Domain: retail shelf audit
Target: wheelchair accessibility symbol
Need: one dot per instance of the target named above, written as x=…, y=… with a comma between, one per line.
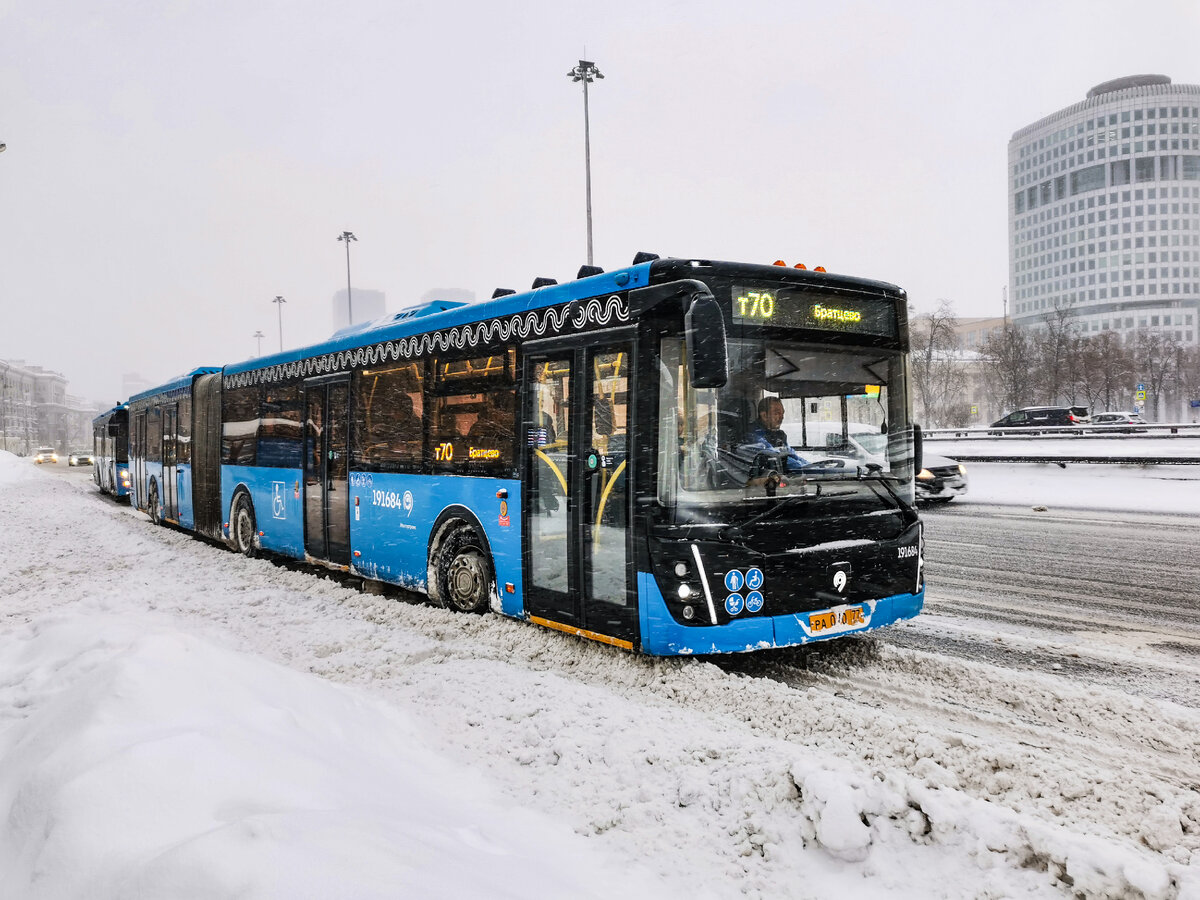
x=278, y=506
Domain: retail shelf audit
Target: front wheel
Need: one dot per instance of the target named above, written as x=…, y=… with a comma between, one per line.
x=242, y=525
x=464, y=572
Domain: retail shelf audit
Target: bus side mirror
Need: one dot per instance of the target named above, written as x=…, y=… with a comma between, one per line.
x=918, y=448
x=704, y=336
x=113, y=429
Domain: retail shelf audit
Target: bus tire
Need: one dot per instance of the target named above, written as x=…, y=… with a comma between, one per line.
x=242, y=525
x=152, y=503
x=464, y=572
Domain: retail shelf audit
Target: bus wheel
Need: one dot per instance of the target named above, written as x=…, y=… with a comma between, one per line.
x=464, y=572
x=243, y=525
x=152, y=509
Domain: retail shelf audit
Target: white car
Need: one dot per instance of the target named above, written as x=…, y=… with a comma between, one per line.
x=1112, y=420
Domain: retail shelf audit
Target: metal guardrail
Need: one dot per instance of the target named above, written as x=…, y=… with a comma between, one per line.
x=1061, y=461
x=1062, y=444
x=1155, y=431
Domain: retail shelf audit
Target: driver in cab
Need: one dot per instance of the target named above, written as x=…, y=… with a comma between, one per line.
x=765, y=432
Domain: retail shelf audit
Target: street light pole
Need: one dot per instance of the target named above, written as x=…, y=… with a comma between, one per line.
x=586, y=71
x=259, y=336
x=348, y=236
x=279, y=301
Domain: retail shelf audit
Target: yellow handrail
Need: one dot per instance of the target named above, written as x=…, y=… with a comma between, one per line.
x=604, y=499
x=555, y=470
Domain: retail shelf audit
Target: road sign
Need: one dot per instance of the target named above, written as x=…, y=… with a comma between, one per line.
x=1141, y=388
x=974, y=410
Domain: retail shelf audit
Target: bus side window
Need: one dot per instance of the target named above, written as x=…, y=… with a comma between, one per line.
x=388, y=429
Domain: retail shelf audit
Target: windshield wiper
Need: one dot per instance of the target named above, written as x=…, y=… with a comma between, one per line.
x=738, y=531
x=875, y=475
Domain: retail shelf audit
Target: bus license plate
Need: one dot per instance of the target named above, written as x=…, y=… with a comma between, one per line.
x=840, y=618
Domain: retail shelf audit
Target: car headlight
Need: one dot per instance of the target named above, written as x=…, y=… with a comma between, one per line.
x=962, y=470
x=925, y=475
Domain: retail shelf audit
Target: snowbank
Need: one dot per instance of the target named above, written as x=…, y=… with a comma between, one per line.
x=177, y=720
x=140, y=761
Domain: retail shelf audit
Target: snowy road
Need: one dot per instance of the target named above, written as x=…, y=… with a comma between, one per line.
x=1006, y=743
x=1090, y=596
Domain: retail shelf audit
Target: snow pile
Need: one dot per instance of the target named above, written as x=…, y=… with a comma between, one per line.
x=14, y=469
x=138, y=761
x=176, y=720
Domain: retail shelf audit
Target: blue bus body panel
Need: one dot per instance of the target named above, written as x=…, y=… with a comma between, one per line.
x=278, y=505
x=392, y=517
x=183, y=496
x=181, y=383
x=663, y=636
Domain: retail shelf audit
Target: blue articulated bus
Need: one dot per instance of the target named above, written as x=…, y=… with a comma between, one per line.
x=110, y=452
x=604, y=457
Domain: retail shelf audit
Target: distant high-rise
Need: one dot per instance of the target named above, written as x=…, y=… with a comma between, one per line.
x=1104, y=211
x=368, y=305
x=458, y=295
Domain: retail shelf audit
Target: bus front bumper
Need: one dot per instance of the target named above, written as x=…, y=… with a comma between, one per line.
x=663, y=636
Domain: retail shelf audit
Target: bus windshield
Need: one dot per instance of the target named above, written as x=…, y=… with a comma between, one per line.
x=822, y=421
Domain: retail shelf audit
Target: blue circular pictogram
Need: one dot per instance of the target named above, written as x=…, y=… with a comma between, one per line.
x=754, y=578
x=754, y=601
x=733, y=604
x=733, y=580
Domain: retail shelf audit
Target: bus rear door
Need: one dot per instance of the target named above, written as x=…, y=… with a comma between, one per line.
x=326, y=470
x=577, y=471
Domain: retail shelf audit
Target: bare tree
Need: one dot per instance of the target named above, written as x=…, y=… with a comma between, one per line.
x=1154, y=354
x=938, y=370
x=1056, y=347
x=1189, y=380
x=1106, y=371
x=1008, y=358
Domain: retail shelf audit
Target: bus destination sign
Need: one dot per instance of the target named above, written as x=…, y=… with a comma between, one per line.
x=787, y=308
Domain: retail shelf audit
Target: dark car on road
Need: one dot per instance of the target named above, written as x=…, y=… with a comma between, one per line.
x=1043, y=417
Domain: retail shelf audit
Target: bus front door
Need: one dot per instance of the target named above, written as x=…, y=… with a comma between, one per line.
x=577, y=472
x=326, y=470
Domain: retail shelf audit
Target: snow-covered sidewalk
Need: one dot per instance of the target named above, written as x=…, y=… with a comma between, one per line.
x=177, y=721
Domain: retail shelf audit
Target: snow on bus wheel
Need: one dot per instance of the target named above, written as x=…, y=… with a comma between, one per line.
x=464, y=572
x=242, y=525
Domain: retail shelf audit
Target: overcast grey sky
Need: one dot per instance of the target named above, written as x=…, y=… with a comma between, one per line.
x=174, y=165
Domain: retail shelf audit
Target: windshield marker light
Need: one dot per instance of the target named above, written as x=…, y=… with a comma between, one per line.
x=712, y=612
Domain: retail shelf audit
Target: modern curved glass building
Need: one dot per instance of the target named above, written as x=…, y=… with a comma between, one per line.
x=1104, y=211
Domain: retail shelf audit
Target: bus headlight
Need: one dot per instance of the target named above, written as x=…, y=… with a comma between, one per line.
x=684, y=592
